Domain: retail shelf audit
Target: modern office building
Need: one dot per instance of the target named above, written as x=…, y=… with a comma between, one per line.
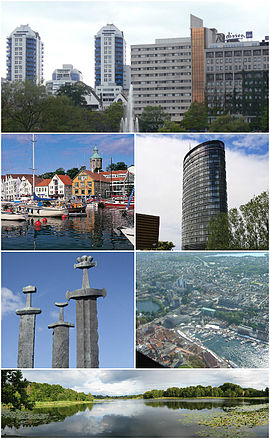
x=67, y=75
x=161, y=75
x=229, y=72
x=236, y=77
x=204, y=192
x=24, y=55
x=110, y=56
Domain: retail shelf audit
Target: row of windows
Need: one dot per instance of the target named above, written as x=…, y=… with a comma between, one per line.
x=161, y=95
x=230, y=53
x=147, y=49
x=152, y=75
x=172, y=81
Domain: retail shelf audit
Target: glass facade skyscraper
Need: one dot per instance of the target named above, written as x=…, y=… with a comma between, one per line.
x=204, y=192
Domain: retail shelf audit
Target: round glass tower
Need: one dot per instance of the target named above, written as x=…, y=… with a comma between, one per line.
x=204, y=192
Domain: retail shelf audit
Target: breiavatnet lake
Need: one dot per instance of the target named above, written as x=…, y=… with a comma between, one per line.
x=211, y=417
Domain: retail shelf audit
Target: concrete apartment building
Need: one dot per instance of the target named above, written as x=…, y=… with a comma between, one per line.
x=67, y=75
x=161, y=74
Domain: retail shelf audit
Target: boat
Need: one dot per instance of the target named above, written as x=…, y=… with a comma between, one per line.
x=46, y=209
x=75, y=207
x=13, y=216
x=128, y=232
x=12, y=212
x=117, y=204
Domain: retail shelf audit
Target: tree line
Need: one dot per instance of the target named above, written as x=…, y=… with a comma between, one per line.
x=225, y=390
x=27, y=107
x=17, y=392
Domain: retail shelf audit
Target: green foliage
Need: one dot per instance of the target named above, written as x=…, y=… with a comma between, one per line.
x=55, y=392
x=60, y=114
x=264, y=120
x=22, y=106
x=196, y=118
x=229, y=124
x=72, y=172
x=14, y=390
x=119, y=166
x=152, y=118
x=171, y=127
x=75, y=91
x=112, y=117
x=246, y=229
x=26, y=107
x=226, y=389
x=164, y=245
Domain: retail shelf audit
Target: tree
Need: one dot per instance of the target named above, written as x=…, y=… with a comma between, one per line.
x=119, y=166
x=264, y=120
x=196, y=118
x=152, y=118
x=75, y=91
x=164, y=245
x=243, y=229
x=112, y=117
x=72, y=172
x=13, y=388
x=22, y=106
x=229, y=124
x=60, y=171
x=60, y=114
x=171, y=127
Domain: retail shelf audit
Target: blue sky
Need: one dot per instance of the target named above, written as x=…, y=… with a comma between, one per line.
x=71, y=39
x=159, y=164
x=127, y=382
x=66, y=151
x=53, y=274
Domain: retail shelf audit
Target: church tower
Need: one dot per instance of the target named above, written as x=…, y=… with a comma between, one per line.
x=95, y=161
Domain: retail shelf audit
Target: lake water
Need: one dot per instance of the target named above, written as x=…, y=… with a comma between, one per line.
x=133, y=418
x=97, y=230
x=147, y=306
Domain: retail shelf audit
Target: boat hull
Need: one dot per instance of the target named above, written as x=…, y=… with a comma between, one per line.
x=46, y=211
x=10, y=216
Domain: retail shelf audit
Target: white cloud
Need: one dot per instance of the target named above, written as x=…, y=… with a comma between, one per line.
x=122, y=382
x=159, y=164
x=71, y=39
x=10, y=301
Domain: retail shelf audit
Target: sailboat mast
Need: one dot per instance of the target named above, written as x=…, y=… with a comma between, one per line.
x=33, y=144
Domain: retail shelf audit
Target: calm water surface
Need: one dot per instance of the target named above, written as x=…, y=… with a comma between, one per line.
x=97, y=230
x=243, y=355
x=132, y=418
x=147, y=305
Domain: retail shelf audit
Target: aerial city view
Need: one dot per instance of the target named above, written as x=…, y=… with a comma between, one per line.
x=203, y=310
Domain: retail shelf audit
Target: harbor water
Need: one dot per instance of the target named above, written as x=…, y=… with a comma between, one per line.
x=98, y=229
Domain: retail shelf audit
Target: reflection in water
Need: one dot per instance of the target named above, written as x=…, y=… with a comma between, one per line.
x=197, y=404
x=132, y=418
x=97, y=230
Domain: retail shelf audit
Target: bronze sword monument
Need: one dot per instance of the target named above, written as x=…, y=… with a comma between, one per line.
x=86, y=316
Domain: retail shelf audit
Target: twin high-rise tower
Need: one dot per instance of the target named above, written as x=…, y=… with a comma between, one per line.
x=24, y=55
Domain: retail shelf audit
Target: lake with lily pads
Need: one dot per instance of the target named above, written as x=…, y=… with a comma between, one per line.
x=211, y=417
